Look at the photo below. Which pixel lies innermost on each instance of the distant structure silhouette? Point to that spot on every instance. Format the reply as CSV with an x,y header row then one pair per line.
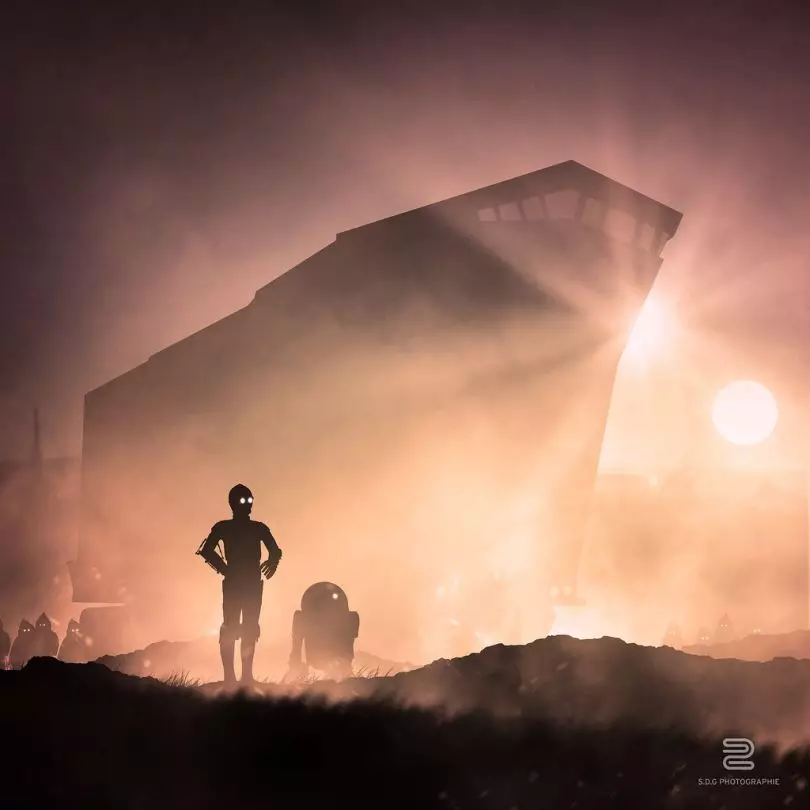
x,y
22,648
551,268
45,641
5,647
240,565
323,632
73,649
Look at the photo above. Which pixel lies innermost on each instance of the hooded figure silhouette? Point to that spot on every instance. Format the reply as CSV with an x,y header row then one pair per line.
x,y
672,637
73,650
725,630
22,646
46,642
5,647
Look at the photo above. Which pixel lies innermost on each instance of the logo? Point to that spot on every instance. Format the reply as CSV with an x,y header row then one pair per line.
x,y
738,752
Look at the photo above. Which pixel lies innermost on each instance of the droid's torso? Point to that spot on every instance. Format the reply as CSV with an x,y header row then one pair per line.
x,y
242,545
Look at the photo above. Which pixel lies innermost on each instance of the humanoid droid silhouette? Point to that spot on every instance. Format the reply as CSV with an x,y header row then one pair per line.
x,y
241,567
323,632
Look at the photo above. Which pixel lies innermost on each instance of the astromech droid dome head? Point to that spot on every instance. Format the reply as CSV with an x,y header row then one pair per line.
x,y
324,597
324,632
240,499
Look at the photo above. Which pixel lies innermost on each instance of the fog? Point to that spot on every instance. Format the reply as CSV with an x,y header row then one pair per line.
x,y
396,470
187,171
182,191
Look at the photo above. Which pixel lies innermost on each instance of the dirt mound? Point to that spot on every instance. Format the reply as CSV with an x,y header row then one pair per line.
x,y
199,660
558,723
759,647
602,682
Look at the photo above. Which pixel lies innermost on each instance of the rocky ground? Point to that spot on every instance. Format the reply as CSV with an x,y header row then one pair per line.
x,y
558,723
199,660
759,647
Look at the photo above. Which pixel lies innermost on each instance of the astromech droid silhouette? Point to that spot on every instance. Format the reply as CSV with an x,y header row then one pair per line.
x,y
323,633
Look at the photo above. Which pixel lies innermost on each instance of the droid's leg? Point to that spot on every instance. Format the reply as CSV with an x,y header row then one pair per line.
x,y
352,631
347,632
251,610
296,666
340,668
229,631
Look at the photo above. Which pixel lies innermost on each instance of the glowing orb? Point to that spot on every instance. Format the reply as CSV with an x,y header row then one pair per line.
x,y
745,412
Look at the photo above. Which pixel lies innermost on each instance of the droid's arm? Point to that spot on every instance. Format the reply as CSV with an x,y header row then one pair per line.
x,y
273,551
354,624
273,554
208,551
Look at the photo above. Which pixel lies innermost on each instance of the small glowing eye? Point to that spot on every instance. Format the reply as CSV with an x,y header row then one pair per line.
x,y
250,500
334,596
241,500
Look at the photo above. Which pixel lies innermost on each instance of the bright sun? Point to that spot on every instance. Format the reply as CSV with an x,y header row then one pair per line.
x,y
745,412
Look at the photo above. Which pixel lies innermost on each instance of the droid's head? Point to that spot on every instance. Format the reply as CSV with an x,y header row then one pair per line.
x,y
240,499
324,597
73,628
43,622
25,627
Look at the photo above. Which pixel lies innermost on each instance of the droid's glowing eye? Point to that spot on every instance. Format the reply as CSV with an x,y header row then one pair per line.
x,y
250,500
334,596
241,500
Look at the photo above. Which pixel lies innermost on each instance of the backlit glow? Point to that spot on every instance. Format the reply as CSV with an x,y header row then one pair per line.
x,y
652,331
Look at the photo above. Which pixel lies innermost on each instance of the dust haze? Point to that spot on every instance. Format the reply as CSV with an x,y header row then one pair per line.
x,y
186,195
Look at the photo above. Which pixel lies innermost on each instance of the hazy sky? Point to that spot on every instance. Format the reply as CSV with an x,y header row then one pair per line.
x,y
157,166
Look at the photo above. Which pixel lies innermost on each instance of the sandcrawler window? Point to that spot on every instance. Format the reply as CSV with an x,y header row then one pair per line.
x,y
562,204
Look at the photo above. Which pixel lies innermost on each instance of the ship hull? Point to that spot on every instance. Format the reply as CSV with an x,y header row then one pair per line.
x,y
418,409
